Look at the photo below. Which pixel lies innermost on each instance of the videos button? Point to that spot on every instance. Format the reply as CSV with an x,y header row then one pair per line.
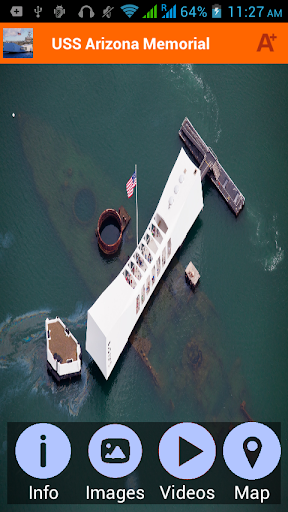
x,y
187,451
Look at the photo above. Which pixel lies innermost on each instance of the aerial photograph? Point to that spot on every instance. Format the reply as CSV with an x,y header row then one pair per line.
x,y
143,256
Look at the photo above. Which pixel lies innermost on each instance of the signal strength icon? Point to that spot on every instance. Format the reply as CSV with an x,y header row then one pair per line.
x,y
129,9
152,13
171,13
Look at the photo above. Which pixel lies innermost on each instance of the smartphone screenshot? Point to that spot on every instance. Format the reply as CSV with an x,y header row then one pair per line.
x,y
143,256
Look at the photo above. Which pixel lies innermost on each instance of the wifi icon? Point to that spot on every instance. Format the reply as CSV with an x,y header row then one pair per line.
x,y
129,9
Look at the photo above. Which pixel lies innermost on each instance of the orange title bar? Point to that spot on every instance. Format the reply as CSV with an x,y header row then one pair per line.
x,y
155,43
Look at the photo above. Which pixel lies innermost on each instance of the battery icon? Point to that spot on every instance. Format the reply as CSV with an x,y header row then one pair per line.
x,y
216,11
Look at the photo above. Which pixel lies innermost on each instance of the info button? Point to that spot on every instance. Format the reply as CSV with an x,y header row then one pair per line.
x,y
43,450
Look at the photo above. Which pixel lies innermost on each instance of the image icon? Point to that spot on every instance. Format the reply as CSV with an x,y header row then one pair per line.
x,y
129,9
115,450
43,450
252,450
17,43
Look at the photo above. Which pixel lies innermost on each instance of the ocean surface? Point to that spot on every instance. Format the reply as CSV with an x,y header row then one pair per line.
x,y
81,129
19,55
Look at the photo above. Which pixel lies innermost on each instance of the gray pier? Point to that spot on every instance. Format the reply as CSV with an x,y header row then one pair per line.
x,y
209,164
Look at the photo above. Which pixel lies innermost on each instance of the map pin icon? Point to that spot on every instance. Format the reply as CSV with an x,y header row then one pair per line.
x,y
252,448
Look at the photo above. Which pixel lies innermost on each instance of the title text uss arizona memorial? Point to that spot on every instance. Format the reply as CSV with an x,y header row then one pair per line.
x,y
153,44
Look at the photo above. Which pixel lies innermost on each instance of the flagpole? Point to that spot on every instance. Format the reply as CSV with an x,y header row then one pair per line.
x,y
136,205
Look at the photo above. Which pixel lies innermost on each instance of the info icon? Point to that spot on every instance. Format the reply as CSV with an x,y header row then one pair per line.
x,y
216,11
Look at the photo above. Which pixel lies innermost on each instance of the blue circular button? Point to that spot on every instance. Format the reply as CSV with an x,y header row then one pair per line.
x,y
252,450
115,451
187,451
43,450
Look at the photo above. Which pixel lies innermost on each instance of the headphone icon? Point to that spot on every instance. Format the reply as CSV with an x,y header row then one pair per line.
x,y
91,12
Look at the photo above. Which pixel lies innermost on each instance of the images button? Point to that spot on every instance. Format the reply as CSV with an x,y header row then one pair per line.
x,y
115,451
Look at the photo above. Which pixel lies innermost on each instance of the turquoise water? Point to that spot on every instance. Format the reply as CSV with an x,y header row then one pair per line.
x,y
99,121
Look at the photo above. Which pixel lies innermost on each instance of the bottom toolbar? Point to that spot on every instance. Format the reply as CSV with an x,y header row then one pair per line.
x,y
149,463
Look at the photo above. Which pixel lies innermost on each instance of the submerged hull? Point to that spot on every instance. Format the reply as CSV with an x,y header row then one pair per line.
x,y
113,316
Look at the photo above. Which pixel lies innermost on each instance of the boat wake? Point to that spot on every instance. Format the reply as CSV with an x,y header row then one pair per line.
x,y
23,355
6,241
266,240
199,93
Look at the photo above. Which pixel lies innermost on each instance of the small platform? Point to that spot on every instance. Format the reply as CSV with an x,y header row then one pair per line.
x,y
125,217
61,342
192,275
63,350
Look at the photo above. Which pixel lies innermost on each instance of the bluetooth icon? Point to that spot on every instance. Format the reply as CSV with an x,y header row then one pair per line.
x,y
216,11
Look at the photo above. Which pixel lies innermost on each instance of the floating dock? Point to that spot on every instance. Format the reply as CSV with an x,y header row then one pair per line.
x,y
125,217
192,275
63,351
209,164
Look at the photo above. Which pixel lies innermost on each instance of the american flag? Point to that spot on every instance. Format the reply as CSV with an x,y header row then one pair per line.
x,y
131,184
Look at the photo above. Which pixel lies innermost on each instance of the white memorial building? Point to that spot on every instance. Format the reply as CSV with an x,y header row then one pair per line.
x,y
113,316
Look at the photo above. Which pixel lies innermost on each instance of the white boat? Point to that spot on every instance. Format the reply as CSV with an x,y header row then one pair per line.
x,y
63,350
27,47
112,317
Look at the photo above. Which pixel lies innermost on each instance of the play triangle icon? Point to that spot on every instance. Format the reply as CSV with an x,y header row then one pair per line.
x,y
187,451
